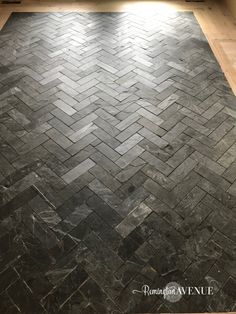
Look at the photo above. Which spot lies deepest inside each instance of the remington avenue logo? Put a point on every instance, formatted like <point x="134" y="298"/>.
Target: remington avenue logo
<point x="173" y="292"/>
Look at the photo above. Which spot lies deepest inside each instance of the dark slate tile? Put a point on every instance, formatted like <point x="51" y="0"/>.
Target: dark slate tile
<point x="108" y="214"/>
<point x="112" y="158"/>
<point x="24" y="299"/>
<point x="17" y="202"/>
<point x="61" y="293"/>
<point x="7" y="278"/>
<point x="103" y="253"/>
<point x="7" y="305"/>
<point x="101" y="303"/>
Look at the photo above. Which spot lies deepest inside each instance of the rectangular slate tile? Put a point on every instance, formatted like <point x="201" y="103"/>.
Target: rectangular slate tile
<point x="157" y="176"/>
<point x="133" y="219"/>
<point x="84" y="121"/>
<point x="56" y="150"/>
<point x="81" y="144"/>
<point x="61" y="293"/>
<point x="64" y="117"/>
<point x="19" y="200"/>
<point x="104" y="254"/>
<point x="23" y="298"/>
<point x="174" y="132"/>
<point x="204" y="149"/>
<point x="153" y="138"/>
<point x="228" y="157"/>
<point x="105" y="193"/>
<point x="32" y="144"/>
<point x="156" y="163"/>
<point x="212" y="111"/>
<point x="105" y="137"/>
<point x="127" y="122"/>
<point x="7" y="278"/>
<point x="65" y="107"/>
<point x="128" y="172"/>
<point x="100" y="300"/>
<point x="128" y="144"/>
<point x="59" y="138"/>
<point x="108" y="151"/>
<point x="105" y="177"/>
<point x="168" y="102"/>
<point x="67" y="98"/>
<point x="7" y="305"/>
<point x="128" y="157"/>
<point x="132" y="201"/>
<point x="230" y="173"/>
<point x="110" y="129"/>
<point x="205" y="161"/>
<point x="45" y="211"/>
<point x="186" y="206"/>
<point x="105" y="163"/>
<point x="212" y="177"/>
<point x="76" y="136"/>
<point x="150" y="116"/>
<point x="19" y="117"/>
<point x="161" y="193"/>
<point x="78" y="170"/>
<point x="200" y="137"/>
<point x="182" y="170"/>
<point x="71" y="221"/>
<point x="151" y="127"/>
<point x="164" y="211"/>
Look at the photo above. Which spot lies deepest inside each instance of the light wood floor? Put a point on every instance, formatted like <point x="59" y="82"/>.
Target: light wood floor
<point x="214" y="18"/>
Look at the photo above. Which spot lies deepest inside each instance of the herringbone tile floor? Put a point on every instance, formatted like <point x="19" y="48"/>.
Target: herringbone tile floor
<point x="118" y="164"/>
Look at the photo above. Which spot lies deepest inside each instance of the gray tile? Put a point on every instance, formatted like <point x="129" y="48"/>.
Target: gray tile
<point x="117" y="139"/>
<point x="155" y="139"/>
<point x="105" y="193"/>
<point x="65" y="107"/>
<point x="156" y="163"/>
<point x="150" y="116"/>
<point x="135" y="218"/>
<point x="128" y="157"/>
<point x="128" y="144"/>
<point x="78" y="170"/>
<point x="182" y="170"/>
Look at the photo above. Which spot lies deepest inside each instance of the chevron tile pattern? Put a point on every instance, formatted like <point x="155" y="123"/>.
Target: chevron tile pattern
<point x="117" y="165"/>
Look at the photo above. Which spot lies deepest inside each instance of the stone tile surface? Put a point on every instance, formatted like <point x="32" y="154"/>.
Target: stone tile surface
<point x="117" y="164"/>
